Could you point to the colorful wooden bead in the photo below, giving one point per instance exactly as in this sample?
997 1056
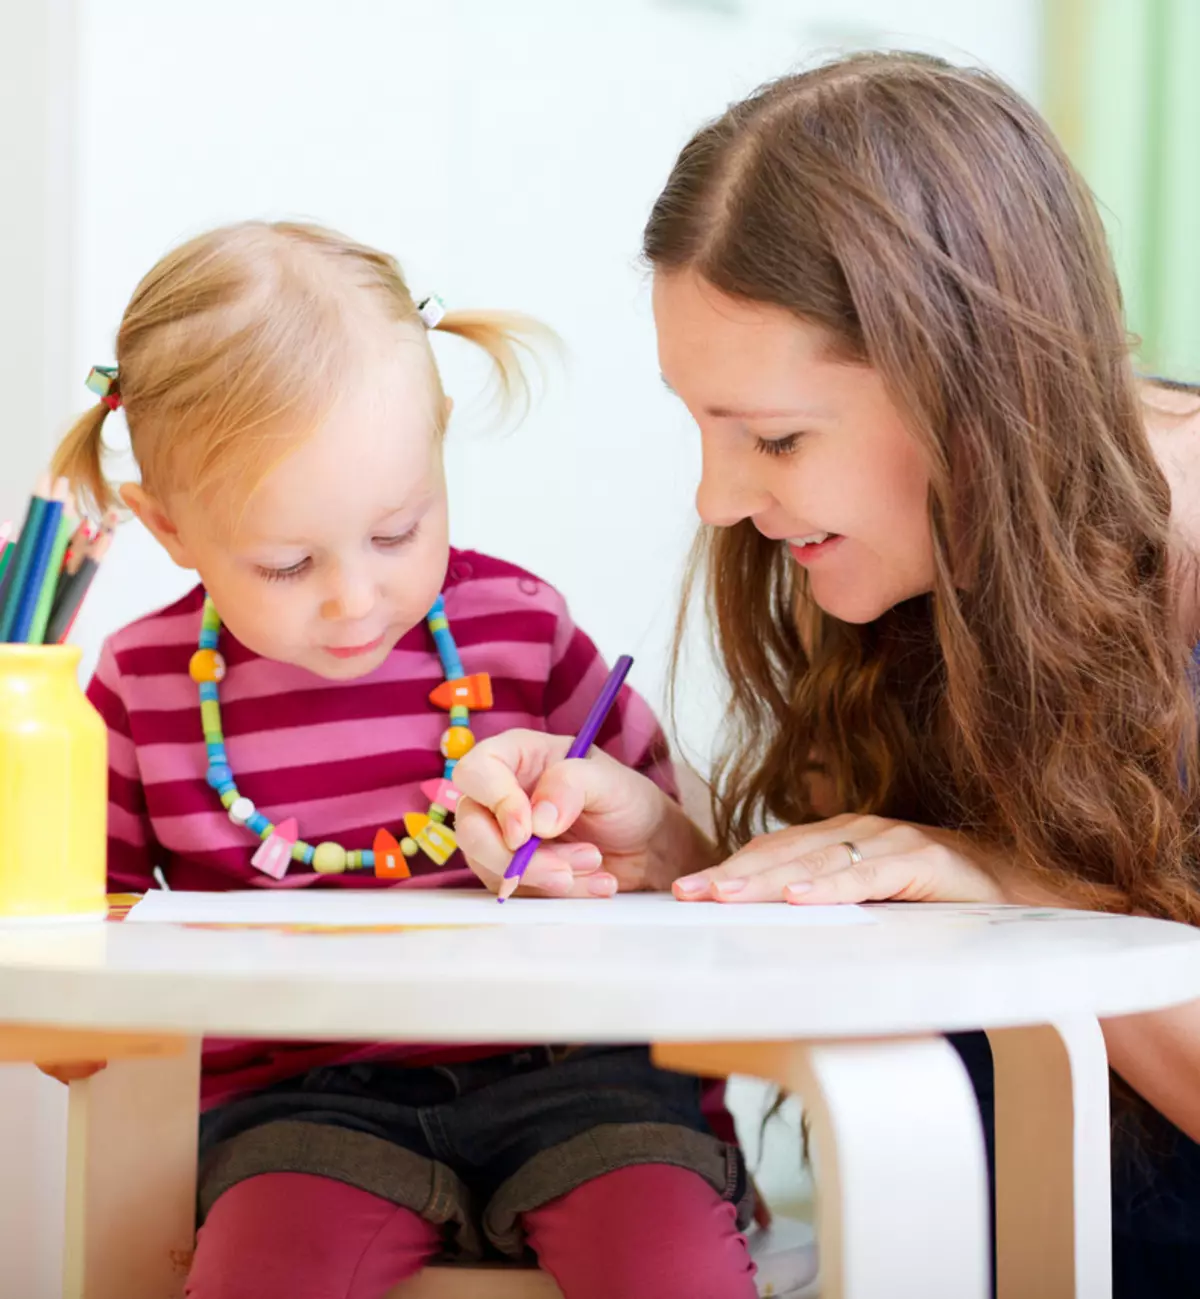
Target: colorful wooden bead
408 846
457 742
275 853
437 842
206 665
229 796
389 857
241 810
474 691
441 792
329 859
415 822
210 720
219 775
437 813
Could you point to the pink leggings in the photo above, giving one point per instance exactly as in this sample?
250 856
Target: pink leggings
648 1232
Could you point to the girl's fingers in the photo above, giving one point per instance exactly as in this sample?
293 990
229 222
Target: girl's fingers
496 774
552 870
555 873
481 841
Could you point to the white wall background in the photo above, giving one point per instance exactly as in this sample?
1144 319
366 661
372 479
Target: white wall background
508 154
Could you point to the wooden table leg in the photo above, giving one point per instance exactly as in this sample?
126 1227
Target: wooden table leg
898 1156
1053 1182
131 1178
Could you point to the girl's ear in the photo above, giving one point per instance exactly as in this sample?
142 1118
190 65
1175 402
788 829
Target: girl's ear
157 522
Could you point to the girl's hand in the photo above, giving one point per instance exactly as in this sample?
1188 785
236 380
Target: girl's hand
607 828
809 864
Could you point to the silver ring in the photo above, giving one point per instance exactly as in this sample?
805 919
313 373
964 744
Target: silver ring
855 855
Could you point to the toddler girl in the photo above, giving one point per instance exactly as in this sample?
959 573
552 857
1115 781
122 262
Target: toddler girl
294 721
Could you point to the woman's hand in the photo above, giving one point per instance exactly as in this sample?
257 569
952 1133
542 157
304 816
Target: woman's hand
606 827
809 864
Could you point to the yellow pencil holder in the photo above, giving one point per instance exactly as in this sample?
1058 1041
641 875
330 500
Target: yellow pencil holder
53 789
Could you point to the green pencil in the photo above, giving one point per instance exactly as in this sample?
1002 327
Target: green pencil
41 613
22 560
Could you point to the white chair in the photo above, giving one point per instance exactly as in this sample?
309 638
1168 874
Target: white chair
785 1252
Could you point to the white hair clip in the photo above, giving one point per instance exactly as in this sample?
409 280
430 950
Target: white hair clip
431 310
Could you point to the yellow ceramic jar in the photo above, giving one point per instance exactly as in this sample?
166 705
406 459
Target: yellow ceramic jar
53 788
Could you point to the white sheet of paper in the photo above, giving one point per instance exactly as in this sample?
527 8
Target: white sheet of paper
431 907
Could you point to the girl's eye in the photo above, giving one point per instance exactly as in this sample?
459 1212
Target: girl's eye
778 446
394 543
284 574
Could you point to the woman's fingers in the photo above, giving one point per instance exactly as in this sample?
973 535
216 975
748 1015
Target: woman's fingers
879 880
757 872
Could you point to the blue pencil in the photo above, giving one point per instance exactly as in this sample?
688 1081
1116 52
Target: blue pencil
22 557
27 597
579 749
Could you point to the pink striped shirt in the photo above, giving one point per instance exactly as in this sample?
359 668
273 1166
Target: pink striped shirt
343 757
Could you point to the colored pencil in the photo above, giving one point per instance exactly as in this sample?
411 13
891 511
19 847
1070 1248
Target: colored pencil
41 612
72 589
6 551
45 573
22 558
39 568
78 547
579 749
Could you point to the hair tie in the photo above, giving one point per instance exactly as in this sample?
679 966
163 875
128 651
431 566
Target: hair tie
432 311
102 380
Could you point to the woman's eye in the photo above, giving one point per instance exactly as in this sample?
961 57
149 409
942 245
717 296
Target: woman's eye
777 446
283 574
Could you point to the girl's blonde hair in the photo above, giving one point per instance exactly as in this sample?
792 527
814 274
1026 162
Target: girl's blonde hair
241 339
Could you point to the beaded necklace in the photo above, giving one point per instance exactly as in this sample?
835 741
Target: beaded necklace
426 832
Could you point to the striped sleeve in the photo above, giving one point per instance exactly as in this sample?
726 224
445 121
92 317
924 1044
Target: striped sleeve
631 734
131 846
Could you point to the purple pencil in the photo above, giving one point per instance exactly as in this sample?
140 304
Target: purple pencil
579 749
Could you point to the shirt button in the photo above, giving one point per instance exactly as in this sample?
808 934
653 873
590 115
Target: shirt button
528 586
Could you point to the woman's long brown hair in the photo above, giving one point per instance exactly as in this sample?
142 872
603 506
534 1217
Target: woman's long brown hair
1039 697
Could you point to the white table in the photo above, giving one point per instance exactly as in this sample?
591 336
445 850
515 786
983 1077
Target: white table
848 1017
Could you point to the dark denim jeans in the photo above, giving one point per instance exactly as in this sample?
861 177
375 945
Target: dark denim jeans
472 1145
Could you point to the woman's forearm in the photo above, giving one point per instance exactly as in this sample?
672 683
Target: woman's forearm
1158 1055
